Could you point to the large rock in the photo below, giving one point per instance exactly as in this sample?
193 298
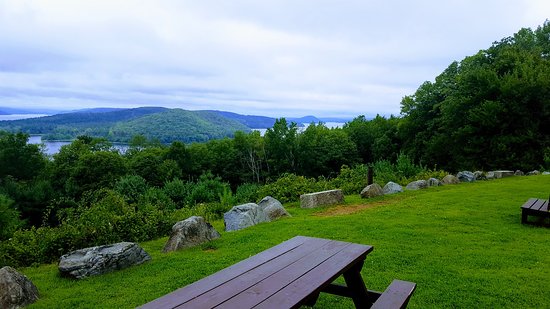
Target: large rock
189 233
16 290
490 175
102 259
417 185
534 172
466 176
501 174
450 180
372 191
479 175
324 198
392 188
545 173
519 173
434 182
243 216
272 208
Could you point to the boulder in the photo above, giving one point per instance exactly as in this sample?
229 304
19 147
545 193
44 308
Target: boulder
324 198
391 188
102 259
546 173
272 208
16 290
434 182
519 173
189 233
372 191
243 216
417 185
535 172
466 176
450 180
501 174
479 175
490 175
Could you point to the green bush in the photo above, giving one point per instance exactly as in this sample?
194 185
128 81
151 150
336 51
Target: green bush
351 180
9 218
247 193
289 187
207 190
132 187
178 191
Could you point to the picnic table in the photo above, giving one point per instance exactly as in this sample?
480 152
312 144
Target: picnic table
534 207
289 275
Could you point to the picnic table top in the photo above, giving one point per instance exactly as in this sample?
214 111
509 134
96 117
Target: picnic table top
536 204
283 276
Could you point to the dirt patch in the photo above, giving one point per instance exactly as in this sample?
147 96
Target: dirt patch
342 210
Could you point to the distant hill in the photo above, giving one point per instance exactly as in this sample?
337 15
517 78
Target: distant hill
166 125
12 111
120 125
178 125
253 122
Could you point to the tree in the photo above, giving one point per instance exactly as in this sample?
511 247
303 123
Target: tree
280 145
19 159
251 152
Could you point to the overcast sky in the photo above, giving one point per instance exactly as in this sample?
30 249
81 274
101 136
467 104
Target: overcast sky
263 57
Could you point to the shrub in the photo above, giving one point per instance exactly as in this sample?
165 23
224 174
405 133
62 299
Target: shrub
247 193
351 180
207 190
289 187
178 191
9 218
131 187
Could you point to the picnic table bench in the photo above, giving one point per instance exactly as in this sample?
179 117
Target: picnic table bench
289 275
534 207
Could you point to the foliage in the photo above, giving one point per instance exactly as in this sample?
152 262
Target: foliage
351 180
247 193
18 159
289 187
488 111
9 218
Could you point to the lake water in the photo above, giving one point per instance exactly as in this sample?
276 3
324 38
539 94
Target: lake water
53 147
301 129
20 116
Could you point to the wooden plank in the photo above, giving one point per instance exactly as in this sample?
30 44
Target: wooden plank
538 205
397 295
264 289
544 207
262 273
315 280
529 203
206 284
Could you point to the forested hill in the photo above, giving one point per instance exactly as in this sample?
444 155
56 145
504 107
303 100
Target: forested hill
163 124
177 125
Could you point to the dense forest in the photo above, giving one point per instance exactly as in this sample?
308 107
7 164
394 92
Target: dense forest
488 111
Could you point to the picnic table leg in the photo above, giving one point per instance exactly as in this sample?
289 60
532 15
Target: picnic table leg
523 216
356 286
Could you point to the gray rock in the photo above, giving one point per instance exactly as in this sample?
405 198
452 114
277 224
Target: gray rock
519 173
434 182
324 198
479 175
102 259
490 175
465 176
372 191
392 188
243 216
501 174
546 173
535 172
16 290
417 185
189 233
450 180
272 208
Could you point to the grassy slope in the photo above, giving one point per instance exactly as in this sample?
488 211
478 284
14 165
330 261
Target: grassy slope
463 245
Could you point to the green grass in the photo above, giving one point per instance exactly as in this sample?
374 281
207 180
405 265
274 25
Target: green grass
463 245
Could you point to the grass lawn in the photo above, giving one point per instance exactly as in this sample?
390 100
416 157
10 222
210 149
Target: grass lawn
462 244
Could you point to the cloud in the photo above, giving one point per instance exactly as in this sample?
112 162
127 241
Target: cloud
278 58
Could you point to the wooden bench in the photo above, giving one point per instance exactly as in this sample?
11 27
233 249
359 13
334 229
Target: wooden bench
536 208
289 275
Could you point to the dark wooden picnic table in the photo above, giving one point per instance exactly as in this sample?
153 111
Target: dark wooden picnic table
534 207
289 275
